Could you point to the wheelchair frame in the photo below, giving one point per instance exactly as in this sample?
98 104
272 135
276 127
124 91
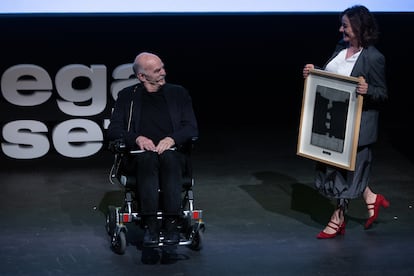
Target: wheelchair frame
191 226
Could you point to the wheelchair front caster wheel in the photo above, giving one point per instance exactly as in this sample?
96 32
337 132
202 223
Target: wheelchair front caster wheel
111 220
119 243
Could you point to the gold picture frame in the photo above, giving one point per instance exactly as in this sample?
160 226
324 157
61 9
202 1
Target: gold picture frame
330 119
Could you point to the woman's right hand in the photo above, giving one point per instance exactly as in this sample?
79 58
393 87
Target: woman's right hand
306 69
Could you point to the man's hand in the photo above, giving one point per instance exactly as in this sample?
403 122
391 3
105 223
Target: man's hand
164 144
145 144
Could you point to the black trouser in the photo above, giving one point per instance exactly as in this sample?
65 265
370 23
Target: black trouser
165 172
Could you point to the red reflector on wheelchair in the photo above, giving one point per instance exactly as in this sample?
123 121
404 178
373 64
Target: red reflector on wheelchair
197 214
126 218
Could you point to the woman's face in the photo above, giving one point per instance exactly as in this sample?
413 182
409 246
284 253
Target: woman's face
347 32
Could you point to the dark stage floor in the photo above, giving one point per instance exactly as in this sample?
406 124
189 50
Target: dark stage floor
260 210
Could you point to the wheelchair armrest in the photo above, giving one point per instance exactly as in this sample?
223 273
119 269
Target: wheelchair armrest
188 146
117 146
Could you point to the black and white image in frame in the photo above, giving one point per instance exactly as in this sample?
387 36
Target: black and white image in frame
329 118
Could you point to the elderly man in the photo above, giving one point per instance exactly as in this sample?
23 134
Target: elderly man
155 116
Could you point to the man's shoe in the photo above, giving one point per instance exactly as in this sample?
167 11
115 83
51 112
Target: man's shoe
151 235
172 238
151 239
172 235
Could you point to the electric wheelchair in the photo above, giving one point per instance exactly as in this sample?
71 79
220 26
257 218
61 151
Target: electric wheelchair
191 226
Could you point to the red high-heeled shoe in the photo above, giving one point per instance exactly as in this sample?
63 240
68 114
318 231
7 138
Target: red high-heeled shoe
339 230
379 201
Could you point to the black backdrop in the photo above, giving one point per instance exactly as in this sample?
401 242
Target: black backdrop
241 69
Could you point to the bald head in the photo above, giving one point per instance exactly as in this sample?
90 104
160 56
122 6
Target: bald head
144 61
149 69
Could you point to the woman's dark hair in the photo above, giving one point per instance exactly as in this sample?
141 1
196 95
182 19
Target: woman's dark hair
363 24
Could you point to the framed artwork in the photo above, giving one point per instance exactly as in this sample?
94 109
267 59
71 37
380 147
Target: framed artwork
330 119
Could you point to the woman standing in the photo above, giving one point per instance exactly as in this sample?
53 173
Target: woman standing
355 55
